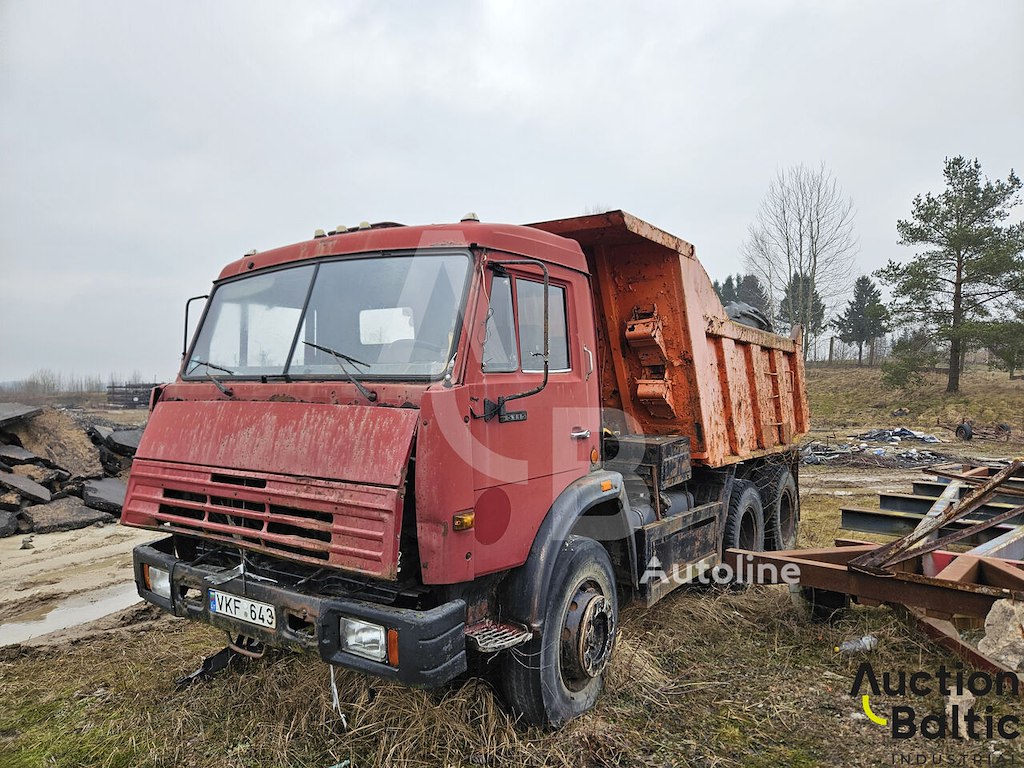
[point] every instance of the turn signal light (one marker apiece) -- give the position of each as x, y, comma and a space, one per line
463, 521
393, 647
606, 485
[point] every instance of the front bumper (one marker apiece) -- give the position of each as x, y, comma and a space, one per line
431, 643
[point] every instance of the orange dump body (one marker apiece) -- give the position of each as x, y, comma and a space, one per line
671, 360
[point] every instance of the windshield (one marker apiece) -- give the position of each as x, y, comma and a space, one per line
387, 316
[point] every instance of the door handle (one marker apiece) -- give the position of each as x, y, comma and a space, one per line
580, 434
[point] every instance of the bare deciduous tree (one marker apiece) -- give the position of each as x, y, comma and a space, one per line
803, 231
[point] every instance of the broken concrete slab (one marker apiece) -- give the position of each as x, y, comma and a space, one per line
64, 515
99, 433
55, 436
107, 494
12, 412
124, 441
8, 524
25, 487
113, 464
10, 501
42, 475
1004, 633
15, 454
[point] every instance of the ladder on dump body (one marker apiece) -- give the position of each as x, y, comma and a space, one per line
775, 395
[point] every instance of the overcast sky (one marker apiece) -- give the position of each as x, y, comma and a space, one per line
143, 145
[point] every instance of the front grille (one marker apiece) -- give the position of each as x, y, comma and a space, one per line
250, 521
312, 521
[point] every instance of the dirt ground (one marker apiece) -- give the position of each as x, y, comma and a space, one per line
705, 678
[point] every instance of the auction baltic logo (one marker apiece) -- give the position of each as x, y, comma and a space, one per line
973, 723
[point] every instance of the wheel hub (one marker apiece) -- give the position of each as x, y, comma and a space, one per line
587, 635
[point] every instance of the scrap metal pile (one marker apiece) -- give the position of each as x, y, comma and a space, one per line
877, 447
57, 474
958, 565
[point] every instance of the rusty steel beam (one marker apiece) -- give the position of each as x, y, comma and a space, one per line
977, 475
877, 560
905, 588
952, 538
946, 635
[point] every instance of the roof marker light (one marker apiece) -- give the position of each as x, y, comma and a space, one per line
471, 216
364, 225
319, 233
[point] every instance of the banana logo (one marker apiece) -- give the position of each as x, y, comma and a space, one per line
865, 701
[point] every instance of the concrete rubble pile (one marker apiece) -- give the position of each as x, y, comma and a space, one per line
57, 474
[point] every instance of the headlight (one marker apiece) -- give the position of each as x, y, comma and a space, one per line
158, 581
363, 639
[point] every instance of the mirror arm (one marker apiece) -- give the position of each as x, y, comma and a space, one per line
184, 340
497, 408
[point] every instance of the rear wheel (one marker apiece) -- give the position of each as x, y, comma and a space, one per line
744, 522
781, 503
964, 431
559, 675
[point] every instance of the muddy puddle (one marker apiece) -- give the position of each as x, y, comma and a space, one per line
52, 615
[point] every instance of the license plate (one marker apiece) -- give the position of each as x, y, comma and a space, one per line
243, 609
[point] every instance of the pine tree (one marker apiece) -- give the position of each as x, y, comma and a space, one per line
801, 304
865, 318
972, 260
750, 291
728, 290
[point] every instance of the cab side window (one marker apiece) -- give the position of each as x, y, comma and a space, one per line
530, 303
500, 354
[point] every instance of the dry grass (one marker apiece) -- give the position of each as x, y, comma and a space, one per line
706, 678
851, 396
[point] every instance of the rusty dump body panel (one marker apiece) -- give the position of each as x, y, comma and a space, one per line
671, 359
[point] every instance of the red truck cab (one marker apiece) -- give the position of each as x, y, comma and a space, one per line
388, 445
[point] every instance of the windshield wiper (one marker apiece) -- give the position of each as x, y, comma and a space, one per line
342, 358
226, 391
209, 365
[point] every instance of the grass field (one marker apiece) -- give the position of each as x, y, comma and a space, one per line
705, 678
851, 396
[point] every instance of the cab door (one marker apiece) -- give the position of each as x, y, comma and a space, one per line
524, 457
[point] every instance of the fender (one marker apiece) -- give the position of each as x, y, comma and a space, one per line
524, 592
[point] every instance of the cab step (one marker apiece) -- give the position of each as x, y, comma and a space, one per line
489, 636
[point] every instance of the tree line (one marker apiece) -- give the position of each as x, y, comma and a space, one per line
962, 289
46, 381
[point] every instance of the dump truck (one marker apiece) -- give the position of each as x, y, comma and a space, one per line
408, 448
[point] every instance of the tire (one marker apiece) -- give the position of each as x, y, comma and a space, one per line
744, 521
558, 676
781, 502
963, 431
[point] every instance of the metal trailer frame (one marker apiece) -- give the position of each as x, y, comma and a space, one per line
917, 574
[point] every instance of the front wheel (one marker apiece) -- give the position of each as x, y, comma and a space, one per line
559, 675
